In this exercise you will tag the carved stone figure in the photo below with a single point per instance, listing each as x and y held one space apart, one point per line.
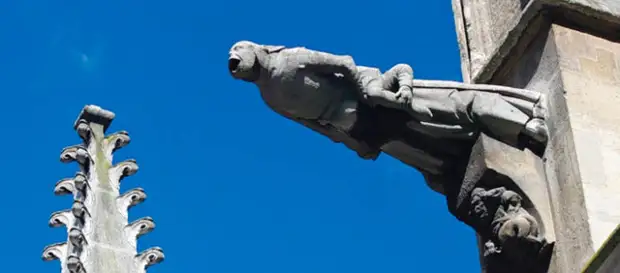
510 233
324 88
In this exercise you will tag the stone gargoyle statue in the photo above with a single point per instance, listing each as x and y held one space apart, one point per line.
512 236
348 103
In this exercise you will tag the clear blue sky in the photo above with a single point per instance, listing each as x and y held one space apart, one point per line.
233 187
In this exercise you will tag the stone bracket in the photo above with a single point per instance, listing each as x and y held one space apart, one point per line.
504 189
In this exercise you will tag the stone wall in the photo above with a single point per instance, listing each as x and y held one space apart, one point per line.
569 49
590 70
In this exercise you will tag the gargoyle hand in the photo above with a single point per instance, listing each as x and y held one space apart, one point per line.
404 95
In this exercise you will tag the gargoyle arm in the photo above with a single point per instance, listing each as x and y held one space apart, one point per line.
323 62
402 74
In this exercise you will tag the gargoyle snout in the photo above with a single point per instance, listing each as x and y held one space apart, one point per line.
233 62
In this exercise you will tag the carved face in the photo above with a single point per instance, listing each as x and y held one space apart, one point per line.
242 61
512 202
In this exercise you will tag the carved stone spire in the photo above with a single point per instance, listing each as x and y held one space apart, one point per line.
99 236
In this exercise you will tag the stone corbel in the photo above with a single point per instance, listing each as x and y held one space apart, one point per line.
123 169
501 193
77 153
149 257
115 141
510 234
131 198
57 251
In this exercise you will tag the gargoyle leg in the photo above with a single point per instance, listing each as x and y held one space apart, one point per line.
495 114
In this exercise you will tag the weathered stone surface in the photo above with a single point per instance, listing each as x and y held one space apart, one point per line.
590 70
99 237
488 30
424 123
535 64
568 49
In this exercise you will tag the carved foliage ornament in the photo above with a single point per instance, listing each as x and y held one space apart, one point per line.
131 198
76 153
62 218
151 256
140 227
116 141
54 252
123 169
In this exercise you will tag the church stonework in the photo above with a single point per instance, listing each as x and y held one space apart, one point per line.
99 236
569 49
524 150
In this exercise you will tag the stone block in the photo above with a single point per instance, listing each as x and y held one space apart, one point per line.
591 80
489 30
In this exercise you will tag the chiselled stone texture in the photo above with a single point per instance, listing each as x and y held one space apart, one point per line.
485 23
99 237
488 30
590 69
569 50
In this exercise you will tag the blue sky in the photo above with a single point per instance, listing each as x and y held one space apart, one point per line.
233 187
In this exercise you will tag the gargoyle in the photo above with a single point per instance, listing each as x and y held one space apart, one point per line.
348 103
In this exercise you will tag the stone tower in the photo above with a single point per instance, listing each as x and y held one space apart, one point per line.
99 237
569 49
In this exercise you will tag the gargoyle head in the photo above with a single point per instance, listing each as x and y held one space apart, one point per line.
246 58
